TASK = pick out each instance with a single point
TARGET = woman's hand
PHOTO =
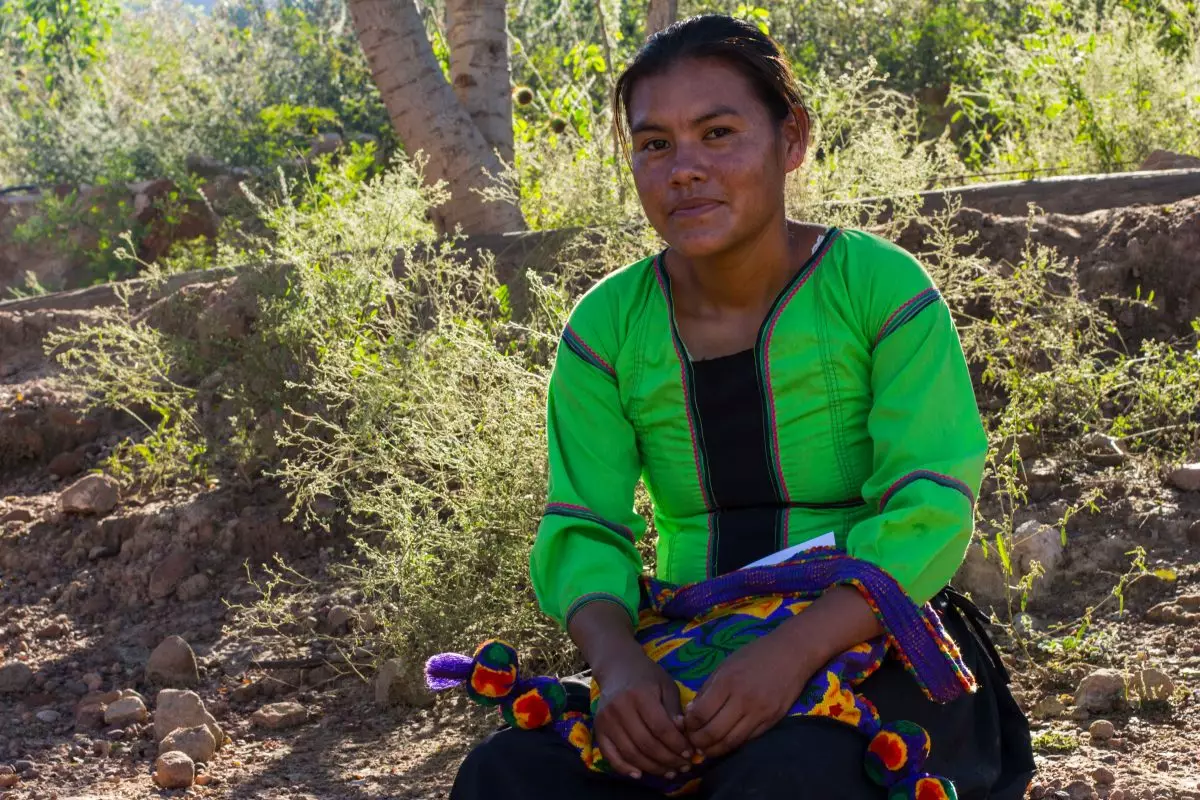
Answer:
(639, 726)
(756, 686)
(748, 694)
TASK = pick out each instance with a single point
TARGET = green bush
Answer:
(1086, 91)
(247, 86)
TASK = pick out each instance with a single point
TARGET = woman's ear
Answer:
(795, 138)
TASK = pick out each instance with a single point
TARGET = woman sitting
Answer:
(770, 381)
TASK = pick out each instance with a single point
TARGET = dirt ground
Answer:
(90, 586)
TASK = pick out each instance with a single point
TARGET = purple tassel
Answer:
(447, 670)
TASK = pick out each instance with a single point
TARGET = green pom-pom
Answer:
(923, 787)
(535, 704)
(898, 751)
(494, 673)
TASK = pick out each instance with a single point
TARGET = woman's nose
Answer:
(688, 165)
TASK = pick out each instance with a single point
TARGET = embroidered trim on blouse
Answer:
(685, 376)
(581, 349)
(926, 475)
(588, 598)
(579, 512)
(905, 313)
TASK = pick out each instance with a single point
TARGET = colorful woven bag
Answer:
(691, 629)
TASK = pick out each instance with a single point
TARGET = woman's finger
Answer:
(712, 697)
(717, 727)
(660, 725)
(735, 738)
(612, 754)
(657, 757)
(639, 747)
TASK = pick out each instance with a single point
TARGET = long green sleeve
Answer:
(929, 444)
(584, 550)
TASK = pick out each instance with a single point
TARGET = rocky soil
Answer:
(127, 668)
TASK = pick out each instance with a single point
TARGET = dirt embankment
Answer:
(95, 584)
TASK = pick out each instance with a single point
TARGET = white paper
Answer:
(824, 540)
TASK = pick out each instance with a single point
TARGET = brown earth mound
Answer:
(95, 584)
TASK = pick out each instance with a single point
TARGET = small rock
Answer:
(24, 766)
(205, 779)
(1163, 766)
(1102, 730)
(1104, 776)
(174, 770)
(64, 465)
(401, 683)
(197, 742)
(78, 688)
(194, 588)
(48, 716)
(1048, 707)
(91, 494)
(170, 572)
(102, 748)
(116, 734)
(9, 781)
(93, 681)
(1037, 792)
(1117, 794)
(126, 711)
(1152, 684)
(1164, 612)
(278, 716)
(1166, 159)
(5, 769)
(1080, 790)
(339, 619)
(102, 551)
(89, 714)
(1104, 451)
(173, 663)
(177, 708)
(1101, 691)
(1191, 602)
(16, 515)
(1186, 477)
(15, 677)
(53, 630)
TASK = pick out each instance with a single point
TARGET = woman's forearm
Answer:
(836, 621)
(603, 633)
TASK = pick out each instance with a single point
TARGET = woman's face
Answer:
(709, 161)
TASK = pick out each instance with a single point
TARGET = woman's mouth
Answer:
(694, 207)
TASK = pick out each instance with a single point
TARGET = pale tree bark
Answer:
(661, 14)
(428, 117)
(477, 32)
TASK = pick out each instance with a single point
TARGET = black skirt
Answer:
(979, 741)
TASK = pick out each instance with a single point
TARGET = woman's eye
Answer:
(655, 144)
(717, 133)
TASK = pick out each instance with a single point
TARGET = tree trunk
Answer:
(662, 13)
(428, 117)
(477, 33)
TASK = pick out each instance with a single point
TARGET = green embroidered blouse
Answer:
(855, 411)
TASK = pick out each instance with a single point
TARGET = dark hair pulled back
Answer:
(737, 42)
